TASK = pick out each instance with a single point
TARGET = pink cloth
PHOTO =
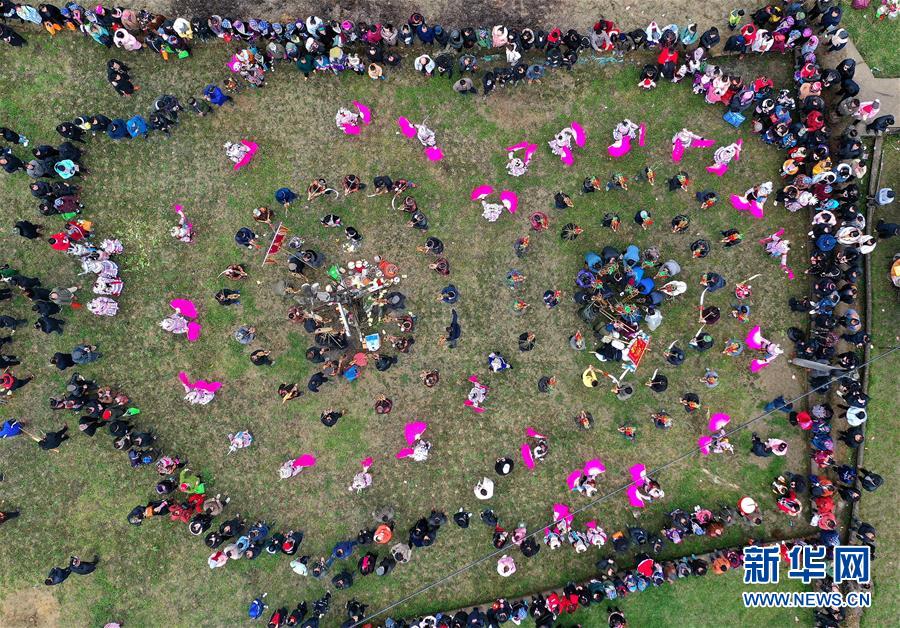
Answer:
(434, 153)
(199, 384)
(364, 111)
(366, 463)
(306, 460)
(253, 147)
(529, 150)
(350, 129)
(567, 157)
(718, 170)
(573, 478)
(757, 365)
(703, 444)
(527, 458)
(193, 331)
(743, 205)
(620, 148)
(677, 150)
(580, 135)
(642, 134)
(533, 433)
(185, 306)
(633, 498)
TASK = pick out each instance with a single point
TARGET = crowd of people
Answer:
(821, 175)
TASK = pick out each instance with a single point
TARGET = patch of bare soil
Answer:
(30, 607)
(537, 13)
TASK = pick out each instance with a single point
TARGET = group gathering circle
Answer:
(342, 300)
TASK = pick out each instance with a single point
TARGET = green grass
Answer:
(76, 501)
(875, 39)
(689, 602)
(881, 438)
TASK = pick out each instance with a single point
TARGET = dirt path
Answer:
(30, 607)
(571, 13)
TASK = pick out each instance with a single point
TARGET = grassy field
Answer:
(75, 501)
(881, 438)
(689, 603)
(876, 39)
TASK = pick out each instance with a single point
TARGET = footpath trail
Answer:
(887, 90)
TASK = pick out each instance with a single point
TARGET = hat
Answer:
(484, 489)
(503, 466)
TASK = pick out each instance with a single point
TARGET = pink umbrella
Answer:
(482, 191)
(638, 477)
(364, 111)
(757, 365)
(367, 463)
(529, 149)
(755, 339)
(572, 479)
(562, 512)
(510, 200)
(743, 205)
(404, 453)
(434, 153)
(413, 431)
(185, 306)
(718, 421)
(594, 467)
(406, 127)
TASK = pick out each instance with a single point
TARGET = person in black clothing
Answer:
(330, 418)
(62, 361)
(27, 230)
(383, 362)
(11, 37)
(10, 322)
(9, 162)
(52, 440)
(70, 132)
(315, 381)
(56, 576)
(260, 357)
(454, 331)
(48, 325)
(81, 567)
(45, 308)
